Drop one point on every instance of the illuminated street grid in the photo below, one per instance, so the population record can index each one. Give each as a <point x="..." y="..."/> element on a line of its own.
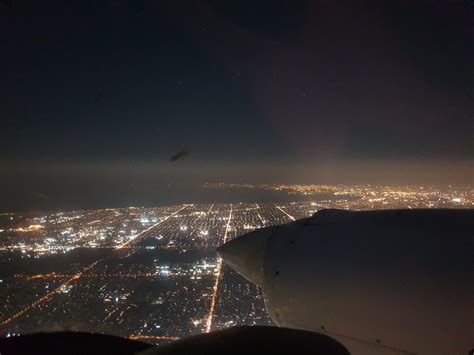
<point x="368" y="196"/>
<point x="149" y="273"/>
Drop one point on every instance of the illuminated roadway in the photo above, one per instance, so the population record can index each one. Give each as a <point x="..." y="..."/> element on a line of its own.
<point x="77" y="276"/>
<point x="218" y="276"/>
<point x="289" y="215"/>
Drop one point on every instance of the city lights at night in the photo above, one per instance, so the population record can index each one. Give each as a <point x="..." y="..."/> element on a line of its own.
<point x="158" y="281"/>
<point x="175" y="173"/>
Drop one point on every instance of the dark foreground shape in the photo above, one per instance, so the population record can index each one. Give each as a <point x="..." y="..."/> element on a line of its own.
<point x="69" y="343"/>
<point x="238" y="340"/>
<point x="254" y="340"/>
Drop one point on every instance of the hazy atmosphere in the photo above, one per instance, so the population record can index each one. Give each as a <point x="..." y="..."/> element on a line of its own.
<point x="97" y="97"/>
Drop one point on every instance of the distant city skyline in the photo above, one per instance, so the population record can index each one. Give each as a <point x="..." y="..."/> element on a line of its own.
<point x="64" y="186"/>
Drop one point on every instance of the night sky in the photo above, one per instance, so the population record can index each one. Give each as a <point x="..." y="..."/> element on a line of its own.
<point x="97" y="96"/>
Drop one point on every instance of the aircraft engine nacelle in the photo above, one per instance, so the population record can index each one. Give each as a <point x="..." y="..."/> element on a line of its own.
<point x="380" y="282"/>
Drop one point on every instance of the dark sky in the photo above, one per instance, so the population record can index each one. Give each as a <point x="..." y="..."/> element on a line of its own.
<point x="100" y="94"/>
